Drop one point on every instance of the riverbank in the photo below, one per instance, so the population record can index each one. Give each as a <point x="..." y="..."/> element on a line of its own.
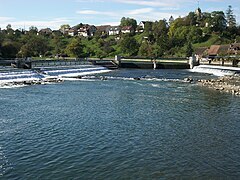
<point x="228" y="84"/>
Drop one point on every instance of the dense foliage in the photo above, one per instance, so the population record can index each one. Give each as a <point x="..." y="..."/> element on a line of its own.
<point x="176" y="37"/>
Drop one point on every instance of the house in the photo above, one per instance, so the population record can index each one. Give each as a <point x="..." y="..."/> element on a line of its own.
<point x="234" y="48"/>
<point x="127" y="29"/>
<point x="201" y="53"/>
<point x="72" y="32"/>
<point x="86" y="30"/>
<point x="82" y="32"/>
<point x="56" y="33"/>
<point x="65" y="29"/>
<point x="103" y="30"/>
<point x="142" y="25"/>
<point x="114" y="30"/>
<point x="46" y="31"/>
<point x="223" y="50"/>
<point x="92" y="30"/>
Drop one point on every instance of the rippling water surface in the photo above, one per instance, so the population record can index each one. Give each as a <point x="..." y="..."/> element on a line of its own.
<point x="120" y="128"/>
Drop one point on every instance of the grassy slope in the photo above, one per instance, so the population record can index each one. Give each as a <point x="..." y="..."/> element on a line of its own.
<point x="213" y="40"/>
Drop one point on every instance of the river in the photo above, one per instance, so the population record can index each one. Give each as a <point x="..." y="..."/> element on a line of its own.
<point x="120" y="128"/>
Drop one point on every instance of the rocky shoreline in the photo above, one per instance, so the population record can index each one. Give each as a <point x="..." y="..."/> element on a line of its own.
<point x="31" y="82"/>
<point x="228" y="84"/>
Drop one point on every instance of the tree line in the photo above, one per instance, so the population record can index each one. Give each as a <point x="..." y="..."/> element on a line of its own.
<point x="164" y="38"/>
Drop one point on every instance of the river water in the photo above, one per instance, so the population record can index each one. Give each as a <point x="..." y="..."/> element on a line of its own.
<point x="120" y="128"/>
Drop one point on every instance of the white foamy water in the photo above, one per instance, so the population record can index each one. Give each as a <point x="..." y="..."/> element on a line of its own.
<point x="216" y="70"/>
<point x="77" y="74"/>
<point x="7" y="79"/>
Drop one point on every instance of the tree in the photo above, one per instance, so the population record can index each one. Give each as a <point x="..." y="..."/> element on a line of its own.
<point x="129" y="22"/>
<point x="160" y="33"/>
<point x="179" y="22"/>
<point x="33" y="30"/>
<point x="34" y="46"/>
<point x="157" y="51"/>
<point x="148" y="28"/>
<point x="9" y="49"/>
<point x="1" y="40"/>
<point x="230" y="17"/>
<point x="75" y="48"/>
<point x="58" y="44"/>
<point x="218" y="21"/>
<point x="9" y="27"/>
<point x="191" y="19"/>
<point x="104" y="48"/>
<point x="195" y="34"/>
<point x="64" y="27"/>
<point x="145" y="49"/>
<point x="129" y="46"/>
<point x="189" y="49"/>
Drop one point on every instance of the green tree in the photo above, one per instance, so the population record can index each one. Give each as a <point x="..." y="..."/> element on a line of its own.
<point x="230" y="17"/>
<point x="75" y="48"/>
<point x="129" y="46"/>
<point x="1" y="40"/>
<point x="145" y="49"/>
<point x="148" y="29"/>
<point x="33" y="30"/>
<point x="129" y="22"/>
<point x="191" y="19"/>
<point x="59" y="43"/>
<point x="160" y="33"/>
<point x="64" y="27"/>
<point x="9" y="29"/>
<point x="179" y="22"/>
<point x="33" y="46"/>
<point x="189" y="49"/>
<point x="195" y="34"/>
<point x="9" y="49"/>
<point x="157" y="51"/>
<point x="104" y="48"/>
<point x="218" y="21"/>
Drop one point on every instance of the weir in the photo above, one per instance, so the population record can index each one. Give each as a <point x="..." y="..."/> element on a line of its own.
<point x="120" y="62"/>
<point x="31" y="64"/>
<point x="216" y="70"/>
<point x="58" y="62"/>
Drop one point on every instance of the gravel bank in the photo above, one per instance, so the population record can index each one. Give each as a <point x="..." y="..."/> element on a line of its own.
<point x="228" y="84"/>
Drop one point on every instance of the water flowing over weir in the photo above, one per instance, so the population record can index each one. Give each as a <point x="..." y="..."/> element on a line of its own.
<point x="216" y="70"/>
<point x="38" y="74"/>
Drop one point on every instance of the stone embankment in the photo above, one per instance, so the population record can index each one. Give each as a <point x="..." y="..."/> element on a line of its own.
<point x="32" y="82"/>
<point x="229" y="84"/>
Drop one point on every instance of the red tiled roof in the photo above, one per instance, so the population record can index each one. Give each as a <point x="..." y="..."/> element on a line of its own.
<point x="214" y="50"/>
<point x="127" y="28"/>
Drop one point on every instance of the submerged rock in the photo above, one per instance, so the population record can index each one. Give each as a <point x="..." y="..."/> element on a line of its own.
<point x="188" y="79"/>
<point x="137" y="78"/>
<point x="103" y="78"/>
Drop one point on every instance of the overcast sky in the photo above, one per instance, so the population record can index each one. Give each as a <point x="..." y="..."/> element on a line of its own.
<point x="54" y="13"/>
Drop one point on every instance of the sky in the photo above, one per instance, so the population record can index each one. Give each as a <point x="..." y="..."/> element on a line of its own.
<point x="22" y="14"/>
